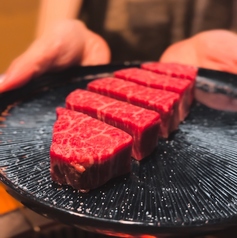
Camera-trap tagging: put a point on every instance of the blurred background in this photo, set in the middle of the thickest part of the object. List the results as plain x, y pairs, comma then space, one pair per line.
17, 27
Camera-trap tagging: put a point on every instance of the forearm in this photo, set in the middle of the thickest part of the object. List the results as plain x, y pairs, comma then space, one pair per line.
54, 10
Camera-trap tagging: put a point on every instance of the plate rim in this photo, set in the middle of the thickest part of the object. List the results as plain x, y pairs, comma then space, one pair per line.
28, 199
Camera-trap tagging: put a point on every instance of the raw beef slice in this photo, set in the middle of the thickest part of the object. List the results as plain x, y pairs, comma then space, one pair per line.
184, 87
141, 123
164, 102
85, 152
172, 69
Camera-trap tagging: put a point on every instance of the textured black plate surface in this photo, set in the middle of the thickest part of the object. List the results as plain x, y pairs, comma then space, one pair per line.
187, 186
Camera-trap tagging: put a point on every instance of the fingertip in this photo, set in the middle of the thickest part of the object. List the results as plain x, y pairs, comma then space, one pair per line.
5, 84
11, 81
2, 80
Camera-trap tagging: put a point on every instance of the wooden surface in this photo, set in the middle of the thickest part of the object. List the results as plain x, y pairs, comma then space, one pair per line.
7, 203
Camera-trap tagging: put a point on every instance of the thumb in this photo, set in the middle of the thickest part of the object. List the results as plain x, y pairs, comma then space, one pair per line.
182, 52
96, 50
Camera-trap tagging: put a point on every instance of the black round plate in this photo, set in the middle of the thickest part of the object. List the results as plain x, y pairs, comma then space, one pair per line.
188, 185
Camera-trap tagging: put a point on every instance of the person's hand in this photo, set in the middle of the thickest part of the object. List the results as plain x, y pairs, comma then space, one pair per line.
66, 43
214, 49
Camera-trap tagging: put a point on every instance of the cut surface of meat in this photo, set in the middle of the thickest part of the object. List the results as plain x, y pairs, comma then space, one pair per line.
142, 124
85, 153
164, 102
172, 69
184, 87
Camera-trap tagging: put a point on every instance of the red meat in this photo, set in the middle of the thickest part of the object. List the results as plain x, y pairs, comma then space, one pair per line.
184, 87
85, 152
141, 123
164, 102
172, 69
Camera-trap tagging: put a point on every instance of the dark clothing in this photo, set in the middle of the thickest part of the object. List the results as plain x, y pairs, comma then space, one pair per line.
143, 29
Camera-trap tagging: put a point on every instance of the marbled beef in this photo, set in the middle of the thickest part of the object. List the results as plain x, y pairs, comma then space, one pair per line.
85, 152
147, 78
141, 123
172, 69
164, 102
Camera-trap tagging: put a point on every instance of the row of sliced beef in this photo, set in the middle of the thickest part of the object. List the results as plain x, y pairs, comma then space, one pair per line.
117, 118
